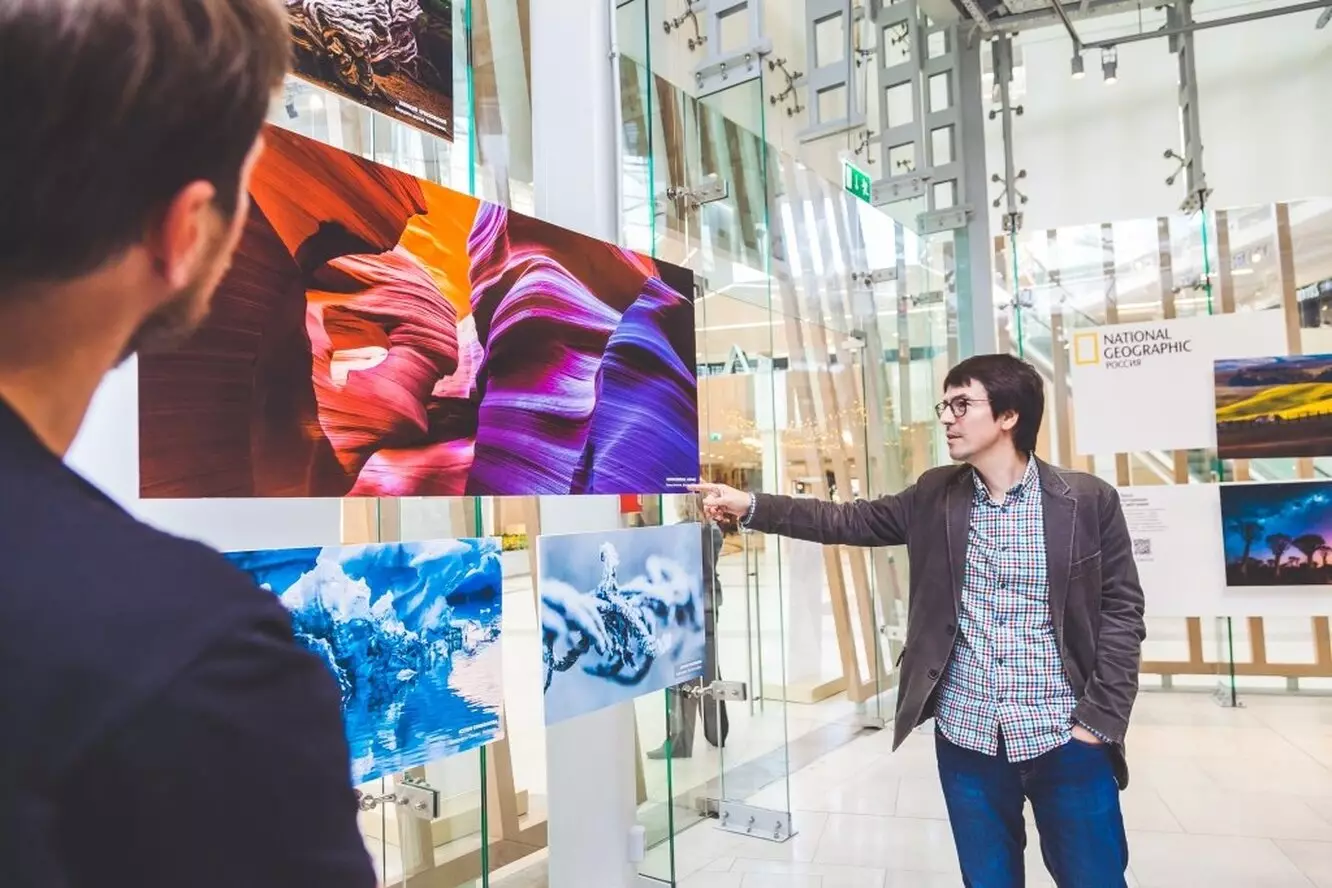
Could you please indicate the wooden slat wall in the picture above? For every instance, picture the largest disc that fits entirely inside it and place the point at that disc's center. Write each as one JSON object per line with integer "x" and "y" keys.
{"x": 1196, "y": 663}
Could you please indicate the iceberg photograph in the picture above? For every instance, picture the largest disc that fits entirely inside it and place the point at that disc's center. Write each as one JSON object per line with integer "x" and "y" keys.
{"x": 621, "y": 615}
{"x": 411, "y": 634}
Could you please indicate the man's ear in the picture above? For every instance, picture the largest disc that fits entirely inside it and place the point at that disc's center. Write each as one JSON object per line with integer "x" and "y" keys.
{"x": 1009, "y": 420}
{"x": 179, "y": 237}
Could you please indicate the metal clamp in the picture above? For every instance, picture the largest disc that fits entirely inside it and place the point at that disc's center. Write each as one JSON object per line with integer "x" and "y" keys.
{"x": 415, "y": 798}
{"x": 714, "y": 188}
{"x": 736, "y": 691}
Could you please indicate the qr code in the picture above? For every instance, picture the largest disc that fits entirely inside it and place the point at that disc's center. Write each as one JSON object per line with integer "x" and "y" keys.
{"x": 1142, "y": 546}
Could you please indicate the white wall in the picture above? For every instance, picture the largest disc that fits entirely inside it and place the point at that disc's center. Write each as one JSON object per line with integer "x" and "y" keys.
{"x": 1094, "y": 152}
{"x": 106, "y": 452}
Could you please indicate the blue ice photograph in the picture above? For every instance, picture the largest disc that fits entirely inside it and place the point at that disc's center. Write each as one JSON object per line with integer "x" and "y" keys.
{"x": 411, "y": 633}
{"x": 621, "y": 615}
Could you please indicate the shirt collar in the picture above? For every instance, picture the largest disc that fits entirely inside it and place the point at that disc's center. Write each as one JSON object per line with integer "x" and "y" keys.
{"x": 1016, "y": 491}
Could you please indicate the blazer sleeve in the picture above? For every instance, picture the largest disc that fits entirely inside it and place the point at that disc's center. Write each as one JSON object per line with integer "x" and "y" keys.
{"x": 1113, "y": 687}
{"x": 881, "y": 522}
{"x": 253, "y": 711}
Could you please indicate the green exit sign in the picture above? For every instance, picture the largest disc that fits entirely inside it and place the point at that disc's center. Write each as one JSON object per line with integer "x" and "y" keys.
{"x": 857, "y": 181}
{"x": 714, "y": 436}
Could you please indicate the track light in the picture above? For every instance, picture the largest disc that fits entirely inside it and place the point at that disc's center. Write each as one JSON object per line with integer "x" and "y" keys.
{"x": 1110, "y": 64}
{"x": 1079, "y": 71}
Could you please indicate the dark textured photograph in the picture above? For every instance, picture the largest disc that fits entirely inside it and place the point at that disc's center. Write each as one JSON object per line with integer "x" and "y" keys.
{"x": 1278, "y": 534}
{"x": 621, "y": 615}
{"x": 395, "y": 56}
{"x": 379, "y": 336}
{"x": 1274, "y": 407}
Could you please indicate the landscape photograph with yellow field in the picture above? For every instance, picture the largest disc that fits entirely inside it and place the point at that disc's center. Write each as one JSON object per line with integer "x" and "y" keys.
{"x": 1274, "y": 407}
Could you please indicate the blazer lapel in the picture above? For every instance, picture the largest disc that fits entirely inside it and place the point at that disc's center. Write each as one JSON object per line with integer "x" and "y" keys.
{"x": 958, "y": 499}
{"x": 1059, "y": 511}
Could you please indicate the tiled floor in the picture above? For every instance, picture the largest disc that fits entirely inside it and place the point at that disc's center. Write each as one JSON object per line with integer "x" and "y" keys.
{"x": 1219, "y": 798}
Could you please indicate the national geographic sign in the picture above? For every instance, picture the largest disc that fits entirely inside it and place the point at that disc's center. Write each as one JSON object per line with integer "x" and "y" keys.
{"x": 1149, "y": 386}
{"x": 1126, "y": 348}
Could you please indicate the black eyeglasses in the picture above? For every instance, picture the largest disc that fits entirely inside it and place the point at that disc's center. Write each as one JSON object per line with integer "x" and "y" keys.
{"x": 958, "y": 405}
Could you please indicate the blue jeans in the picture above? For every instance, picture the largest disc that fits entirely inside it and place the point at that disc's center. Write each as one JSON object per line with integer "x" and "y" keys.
{"x": 1074, "y": 798}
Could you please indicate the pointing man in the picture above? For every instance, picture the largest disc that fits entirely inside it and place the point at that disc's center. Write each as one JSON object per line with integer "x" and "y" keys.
{"x": 1024, "y": 634}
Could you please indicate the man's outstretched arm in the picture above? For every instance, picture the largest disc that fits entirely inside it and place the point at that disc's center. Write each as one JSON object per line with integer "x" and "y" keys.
{"x": 880, "y": 522}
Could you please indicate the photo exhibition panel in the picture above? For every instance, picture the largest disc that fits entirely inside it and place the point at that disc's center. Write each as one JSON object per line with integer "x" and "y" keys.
{"x": 1274, "y": 407}
{"x": 379, "y": 336}
{"x": 622, "y": 615}
{"x": 395, "y": 56}
{"x": 411, "y": 633}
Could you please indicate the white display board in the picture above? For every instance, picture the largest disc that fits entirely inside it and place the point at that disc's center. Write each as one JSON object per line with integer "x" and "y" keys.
{"x": 1176, "y": 532}
{"x": 1149, "y": 386}
{"x": 1180, "y": 553}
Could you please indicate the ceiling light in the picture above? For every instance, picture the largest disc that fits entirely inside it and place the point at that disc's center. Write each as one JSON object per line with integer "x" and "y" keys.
{"x": 1110, "y": 64}
{"x": 1078, "y": 69}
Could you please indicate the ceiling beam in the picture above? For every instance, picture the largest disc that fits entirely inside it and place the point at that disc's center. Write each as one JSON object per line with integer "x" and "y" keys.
{"x": 1212, "y": 23}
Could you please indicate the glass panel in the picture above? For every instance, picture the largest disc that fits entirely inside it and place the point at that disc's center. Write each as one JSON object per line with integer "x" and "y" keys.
{"x": 901, "y": 105}
{"x": 941, "y": 92}
{"x": 832, "y": 103}
{"x": 942, "y": 144}
{"x": 734, "y": 27}
{"x": 902, "y": 158}
{"x": 898, "y": 44}
{"x": 829, "y": 40}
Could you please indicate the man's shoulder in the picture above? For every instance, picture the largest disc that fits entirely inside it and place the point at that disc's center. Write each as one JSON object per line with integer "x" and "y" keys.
{"x": 1083, "y": 485}
{"x": 89, "y": 586}
{"x": 940, "y": 477}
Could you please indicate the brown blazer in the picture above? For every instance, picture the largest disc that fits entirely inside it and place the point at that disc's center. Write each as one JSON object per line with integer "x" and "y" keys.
{"x": 1096, "y": 602}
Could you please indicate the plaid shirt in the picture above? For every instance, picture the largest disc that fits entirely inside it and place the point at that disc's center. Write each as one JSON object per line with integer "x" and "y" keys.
{"x": 1005, "y": 671}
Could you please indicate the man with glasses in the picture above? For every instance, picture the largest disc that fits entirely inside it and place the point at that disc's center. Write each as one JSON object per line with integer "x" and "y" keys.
{"x": 1024, "y": 634}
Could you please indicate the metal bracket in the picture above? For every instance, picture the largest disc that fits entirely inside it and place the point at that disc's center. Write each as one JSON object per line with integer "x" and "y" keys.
{"x": 877, "y": 276}
{"x": 898, "y": 188}
{"x": 760, "y": 823}
{"x": 929, "y": 297}
{"x": 700, "y": 287}
{"x": 730, "y": 70}
{"x": 713, "y": 189}
{"x": 736, "y": 691}
{"x": 417, "y": 800}
{"x": 789, "y": 92}
{"x": 949, "y": 219}
{"x": 689, "y": 15}
{"x": 721, "y": 69}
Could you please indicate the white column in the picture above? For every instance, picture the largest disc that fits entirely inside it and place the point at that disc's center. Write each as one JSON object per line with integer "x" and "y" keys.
{"x": 590, "y": 760}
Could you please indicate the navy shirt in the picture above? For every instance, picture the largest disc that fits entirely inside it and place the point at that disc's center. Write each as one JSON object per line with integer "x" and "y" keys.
{"x": 159, "y": 726}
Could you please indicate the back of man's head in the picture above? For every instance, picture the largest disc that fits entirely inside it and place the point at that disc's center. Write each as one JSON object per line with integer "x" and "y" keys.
{"x": 111, "y": 107}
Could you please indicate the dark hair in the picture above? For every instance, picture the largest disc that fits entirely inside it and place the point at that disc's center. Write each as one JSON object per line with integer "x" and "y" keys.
{"x": 111, "y": 107}
{"x": 1010, "y": 384}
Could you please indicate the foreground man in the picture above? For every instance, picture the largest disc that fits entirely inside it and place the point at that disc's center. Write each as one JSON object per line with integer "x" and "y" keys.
{"x": 159, "y": 726}
{"x": 1025, "y": 629}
